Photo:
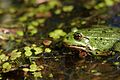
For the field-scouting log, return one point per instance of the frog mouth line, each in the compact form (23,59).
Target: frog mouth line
(84,48)
(79,47)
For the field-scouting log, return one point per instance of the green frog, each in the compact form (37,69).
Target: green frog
(96,41)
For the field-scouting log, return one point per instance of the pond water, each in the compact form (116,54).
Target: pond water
(32,34)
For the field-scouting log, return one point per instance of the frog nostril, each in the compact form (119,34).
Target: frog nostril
(100,38)
(95,39)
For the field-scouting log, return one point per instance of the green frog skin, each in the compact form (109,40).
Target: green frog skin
(95,41)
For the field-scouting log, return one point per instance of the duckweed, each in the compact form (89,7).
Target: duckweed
(28,51)
(23,18)
(33,67)
(109,2)
(32,29)
(68,8)
(51,75)
(38,50)
(48,50)
(3,58)
(56,34)
(15,54)
(116,63)
(58,11)
(20,33)
(37,74)
(34,23)
(6,67)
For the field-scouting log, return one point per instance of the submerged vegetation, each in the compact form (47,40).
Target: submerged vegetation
(32,34)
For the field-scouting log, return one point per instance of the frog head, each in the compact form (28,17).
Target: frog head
(78,41)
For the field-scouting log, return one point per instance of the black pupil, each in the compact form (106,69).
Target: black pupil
(77,36)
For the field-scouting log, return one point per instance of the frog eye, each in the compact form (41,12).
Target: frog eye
(78,36)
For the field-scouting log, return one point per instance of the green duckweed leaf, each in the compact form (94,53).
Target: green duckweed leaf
(116,63)
(48,50)
(27,48)
(56,34)
(53,3)
(3,57)
(37,74)
(100,5)
(43,8)
(23,18)
(15,55)
(33,67)
(33,46)
(51,75)
(28,53)
(34,23)
(58,11)
(31,14)
(40,21)
(32,29)
(60,32)
(41,67)
(38,50)
(25,69)
(6,66)
(68,8)
(20,33)
(53,35)
(109,2)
